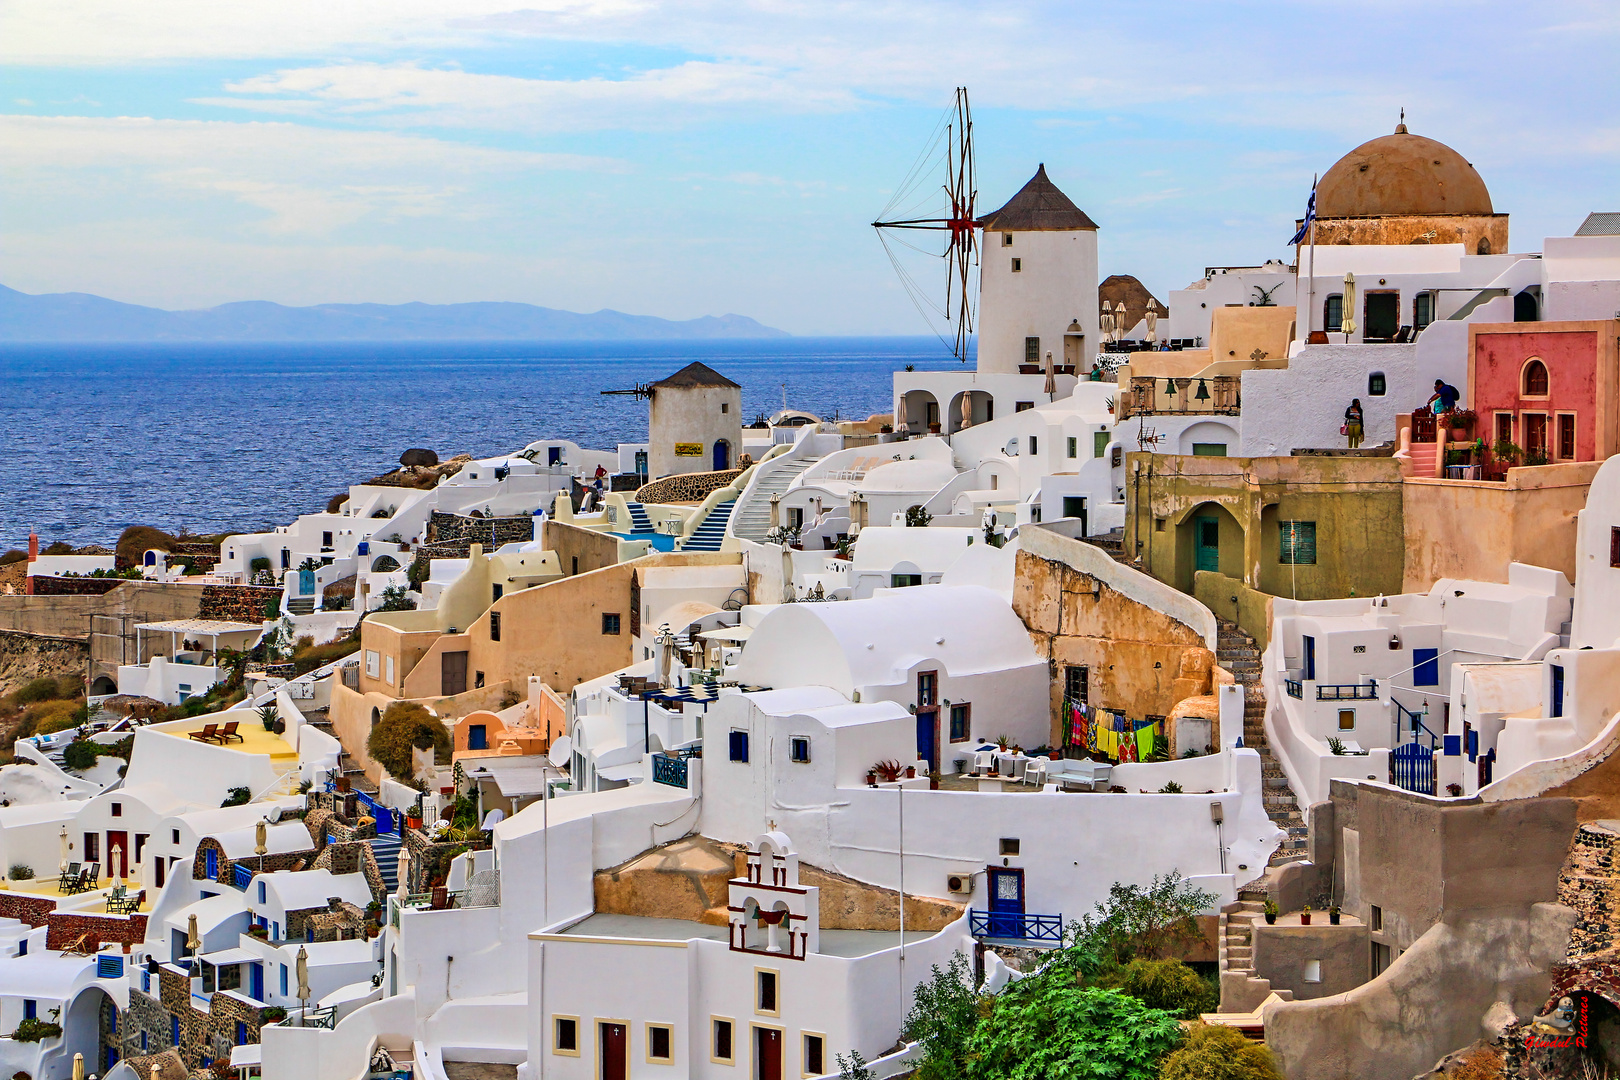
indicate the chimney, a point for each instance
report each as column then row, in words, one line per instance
column 33, row 546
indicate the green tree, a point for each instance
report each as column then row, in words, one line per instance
column 1169, row 985
column 404, row 726
column 943, row 1015
column 1219, row 1053
column 1150, row 922
column 918, row 517
column 1045, row 1027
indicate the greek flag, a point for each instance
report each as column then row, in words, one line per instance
column 1310, row 216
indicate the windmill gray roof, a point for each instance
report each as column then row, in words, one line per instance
column 1600, row 223
column 694, row 375
column 1038, row 207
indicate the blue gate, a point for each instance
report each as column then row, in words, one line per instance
column 1413, row 765
column 382, row 815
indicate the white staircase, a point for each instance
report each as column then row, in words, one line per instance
column 752, row 519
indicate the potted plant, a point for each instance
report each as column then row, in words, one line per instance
column 1305, row 915
column 871, row 778
column 911, row 772
column 888, row 770
column 267, row 717
column 1333, row 914
column 1454, row 790
column 1002, row 741
column 1462, row 424
column 933, row 429
column 1271, row 910
column 275, row 1014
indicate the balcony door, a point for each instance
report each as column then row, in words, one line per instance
column 1006, row 902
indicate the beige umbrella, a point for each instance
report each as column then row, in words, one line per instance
column 1050, row 388
column 78, row 1067
column 303, row 982
column 260, row 831
column 1153, row 322
column 1347, row 306
column 116, row 868
column 967, row 410
column 1107, row 323
column 404, row 871
column 64, row 841
column 1121, row 326
column 193, row 938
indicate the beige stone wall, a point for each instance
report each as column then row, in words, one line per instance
column 592, row 550
column 1139, row 659
column 1473, row 529
column 1236, row 332
column 692, row 415
column 1463, row 229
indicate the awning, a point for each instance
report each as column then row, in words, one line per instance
column 701, row 693
column 201, row 627
column 227, row 957
column 247, row 1054
column 728, row 633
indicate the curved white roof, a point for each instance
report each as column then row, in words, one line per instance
column 854, row 643
column 278, row 840
column 882, row 547
column 920, row 475
column 302, row 890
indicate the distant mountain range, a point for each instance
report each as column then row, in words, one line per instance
column 83, row 317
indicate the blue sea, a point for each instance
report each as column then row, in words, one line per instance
column 239, row 437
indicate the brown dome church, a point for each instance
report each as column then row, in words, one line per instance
column 1407, row 189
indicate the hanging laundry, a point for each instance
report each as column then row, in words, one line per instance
column 1144, row 742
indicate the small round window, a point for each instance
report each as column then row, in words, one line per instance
column 1376, row 386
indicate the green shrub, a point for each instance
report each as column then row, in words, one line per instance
column 1219, row 1053
column 79, row 755
column 403, row 727
column 13, row 556
column 259, row 563
column 1046, row 1026
column 20, row 872
column 44, row 688
column 1169, row 985
column 61, row 547
column 917, row 517
column 137, row 540
column 238, row 796
column 311, row 657
column 33, row 1030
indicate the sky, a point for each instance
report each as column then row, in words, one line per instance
column 704, row 158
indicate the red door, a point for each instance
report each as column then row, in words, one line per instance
column 119, row 840
column 615, row 1043
column 768, row 1053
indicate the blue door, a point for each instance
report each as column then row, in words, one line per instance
column 1425, row 667
column 1310, row 659
column 1557, row 704
column 928, row 737
column 306, row 583
column 1006, row 902
column 112, row 1058
column 722, row 455
column 256, row 981
column 477, row 737
column 211, row 864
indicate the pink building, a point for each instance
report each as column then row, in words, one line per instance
column 1550, row 388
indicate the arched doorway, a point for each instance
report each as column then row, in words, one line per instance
column 981, row 409
column 722, row 455
column 918, row 411
column 103, row 686
column 1208, row 538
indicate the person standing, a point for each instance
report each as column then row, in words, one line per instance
column 1445, row 397
column 1352, row 423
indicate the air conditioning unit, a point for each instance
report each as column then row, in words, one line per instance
column 960, row 883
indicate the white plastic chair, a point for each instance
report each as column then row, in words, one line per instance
column 1035, row 773
column 983, row 762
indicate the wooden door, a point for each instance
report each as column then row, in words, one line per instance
column 1208, row 537
column 1535, row 433
column 768, row 1053
column 452, row 673
column 615, row 1043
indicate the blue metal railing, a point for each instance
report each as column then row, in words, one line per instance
column 1347, row 692
column 1016, row 926
column 1294, row 688
column 240, row 875
column 669, row 770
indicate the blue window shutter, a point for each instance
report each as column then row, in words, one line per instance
column 109, row 967
column 1426, row 667
column 739, row 746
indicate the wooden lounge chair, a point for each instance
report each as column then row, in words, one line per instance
column 228, row 733
column 207, row 734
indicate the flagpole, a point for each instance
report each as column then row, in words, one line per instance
column 1310, row 295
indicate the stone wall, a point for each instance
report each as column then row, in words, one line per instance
column 686, row 487
column 236, row 603
column 205, row 1035
column 72, row 586
column 338, row 921
column 87, row 933
column 268, row 864
column 352, row 857
column 33, row 910
column 492, row 532
column 144, row 1013
column 429, row 861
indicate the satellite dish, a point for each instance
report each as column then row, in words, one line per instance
column 561, row 751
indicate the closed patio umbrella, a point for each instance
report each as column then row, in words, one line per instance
column 116, row 858
column 303, row 982
column 404, row 871
column 1051, row 378
column 64, row 842
column 967, row 409
column 1121, row 325
column 78, row 1067
column 1107, row 323
column 1153, row 322
column 193, row 938
column 1348, row 305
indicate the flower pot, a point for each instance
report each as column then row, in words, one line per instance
column 1271, row 917
column 871, row 779
column 1333, row 917
column 1459, row 434
column 1304, row 918
column 413, row 822
column 1055, row 755
column 911, row 772
column 933, row 429
column 343, row 783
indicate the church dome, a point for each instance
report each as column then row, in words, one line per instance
column 1401, row 175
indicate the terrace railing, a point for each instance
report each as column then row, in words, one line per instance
column 1295, row 688
column 1217, row 396
column 1347, row 692
column 669, row 770
column 1017, row 926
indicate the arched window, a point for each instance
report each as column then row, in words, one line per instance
column 1484, row 247
column 1535, row 379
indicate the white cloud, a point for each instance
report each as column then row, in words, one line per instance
column 305, row 179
